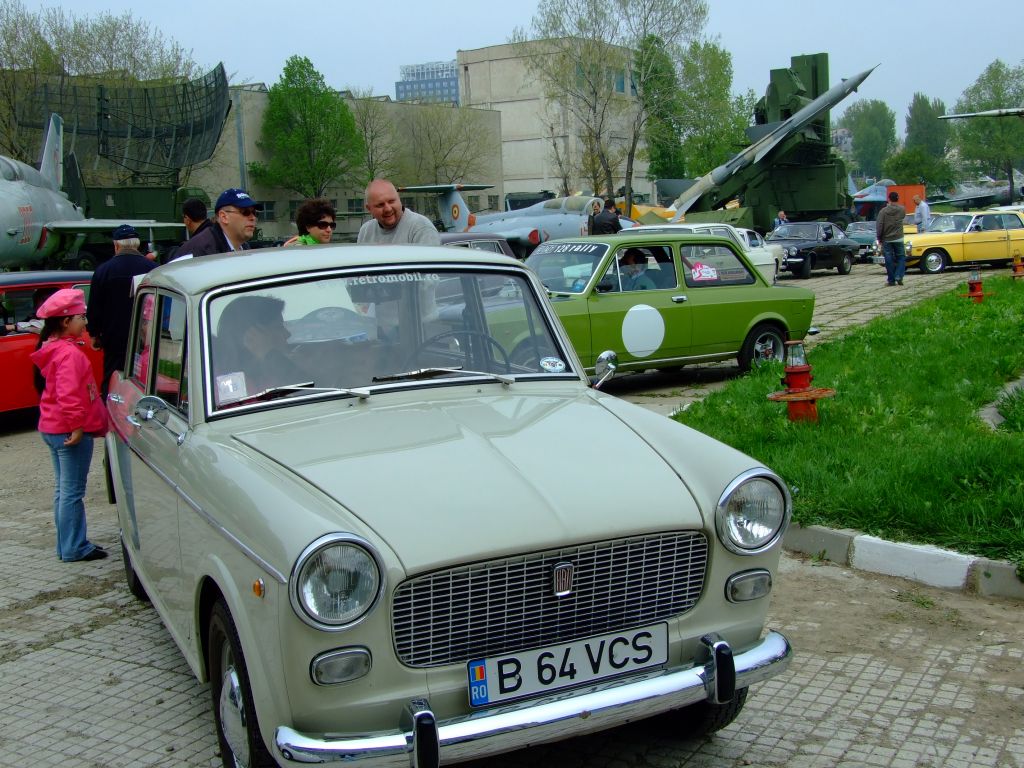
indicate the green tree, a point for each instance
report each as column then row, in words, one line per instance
column 45, row 47
column 308, row 134
column 873, row 127
column 914, row 165
column 712, row 120
column 924, row 129
column 664, row 139
column 994, row 145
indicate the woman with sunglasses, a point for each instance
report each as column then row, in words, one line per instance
column 315, row 219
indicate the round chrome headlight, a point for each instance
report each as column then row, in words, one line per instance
column 336, row 580
column 753, row 512
column 791, row 251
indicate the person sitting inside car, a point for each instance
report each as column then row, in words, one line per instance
column 252, row 340
column 633, row 269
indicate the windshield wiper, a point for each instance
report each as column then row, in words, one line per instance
column 431, row 373
column 272, row 393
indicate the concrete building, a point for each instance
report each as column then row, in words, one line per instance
column 435, row 81
column 497, row 78
column 237, row 148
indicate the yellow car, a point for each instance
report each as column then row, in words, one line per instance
column 967, row 238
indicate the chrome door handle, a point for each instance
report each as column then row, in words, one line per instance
column 115, row 398
column 678, row 299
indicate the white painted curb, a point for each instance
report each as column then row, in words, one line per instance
column 922, row 563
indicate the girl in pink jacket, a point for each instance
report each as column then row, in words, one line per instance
column 71, row 414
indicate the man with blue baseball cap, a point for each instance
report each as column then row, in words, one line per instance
column 232, row 229
column 110, row 299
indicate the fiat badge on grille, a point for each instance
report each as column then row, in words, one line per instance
column 561, row 579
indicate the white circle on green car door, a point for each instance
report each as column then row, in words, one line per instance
column 643, row 330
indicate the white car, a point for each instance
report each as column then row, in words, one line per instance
column 762, row 255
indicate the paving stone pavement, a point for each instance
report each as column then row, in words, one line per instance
column 885, row 674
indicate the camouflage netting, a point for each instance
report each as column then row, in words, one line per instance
column 146, row 130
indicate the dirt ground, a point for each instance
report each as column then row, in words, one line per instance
column 885, row 672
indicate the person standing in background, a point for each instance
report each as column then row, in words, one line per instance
column 110, row 299
column 316, row 221
column 889, row 229
column 391, row 223
column 922, row 213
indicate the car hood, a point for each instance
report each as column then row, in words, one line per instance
column 466, row 479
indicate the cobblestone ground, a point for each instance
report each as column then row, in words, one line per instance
column 886, row 673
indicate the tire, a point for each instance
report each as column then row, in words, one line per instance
column 764, row 342
column 233, row 709
column 131, row 577
column 934, row 261
column 705, row 718
column 805, row 268
column 845, row 264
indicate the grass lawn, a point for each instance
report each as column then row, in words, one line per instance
column 900, row 452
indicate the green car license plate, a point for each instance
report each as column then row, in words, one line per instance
column 528, row 673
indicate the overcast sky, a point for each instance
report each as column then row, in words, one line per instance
column 938, row 48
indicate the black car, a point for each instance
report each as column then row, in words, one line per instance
column 809, row 245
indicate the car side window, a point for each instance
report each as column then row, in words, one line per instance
column 142, row 343
column 170, row 379
column 991, row 222
column 1011, row 221
column 711, row 265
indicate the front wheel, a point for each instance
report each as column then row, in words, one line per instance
column 845, row 264
column 130, row 576
column 765, row 342
column 233, row 708
column 933, row 262
column 805, row 268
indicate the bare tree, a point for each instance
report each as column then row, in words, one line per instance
column 447, row 144
column 383, row 149
column 561, row 153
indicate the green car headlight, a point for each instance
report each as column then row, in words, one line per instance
column 335, row 582
column 753, row 512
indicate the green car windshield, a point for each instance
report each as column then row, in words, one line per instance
column 566, row 267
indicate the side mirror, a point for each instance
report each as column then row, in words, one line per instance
column 605, row 367
column 606, row 285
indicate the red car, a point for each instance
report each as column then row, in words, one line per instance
column 20, row 294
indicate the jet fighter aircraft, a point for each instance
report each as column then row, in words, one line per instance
column 524, row 228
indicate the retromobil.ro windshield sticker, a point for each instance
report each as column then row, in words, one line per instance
column 703, row 272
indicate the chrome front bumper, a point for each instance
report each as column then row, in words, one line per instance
column 423, row 742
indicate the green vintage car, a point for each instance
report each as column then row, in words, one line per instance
column 384, row 534
column 697, row 300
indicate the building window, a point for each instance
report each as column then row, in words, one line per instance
column 267, row 214
column 492, row 202
column 293, row 207
column 474, row 202
column 354, row 205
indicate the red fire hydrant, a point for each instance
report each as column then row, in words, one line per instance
column 974, row 290
column 800, row 397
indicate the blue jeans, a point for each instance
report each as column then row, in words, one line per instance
column 895, row 261
column 71, row 468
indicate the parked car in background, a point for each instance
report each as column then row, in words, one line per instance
column 864, row 234
column 810, row 245
column 482, row 242
column 21, row 293
column 700, row 300
column 767, row 259
column 373, row 525
column 977, row 237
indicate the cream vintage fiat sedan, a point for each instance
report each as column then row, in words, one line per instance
column 379, row 506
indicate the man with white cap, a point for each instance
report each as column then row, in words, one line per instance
column 233, row 226
column 110, row 299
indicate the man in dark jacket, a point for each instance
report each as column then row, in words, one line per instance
column 232, row 229
column 607, row 222
column 889, row 229
column 110, row 299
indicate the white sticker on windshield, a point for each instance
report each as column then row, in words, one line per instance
column 552, row 364
column 703, row 272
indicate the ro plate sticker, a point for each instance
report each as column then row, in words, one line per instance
column 703, row 272
column 552, row 364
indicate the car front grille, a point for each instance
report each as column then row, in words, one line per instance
column 495, row 607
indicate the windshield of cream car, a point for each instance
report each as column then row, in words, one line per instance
column 359, row 331
column 566, row 267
